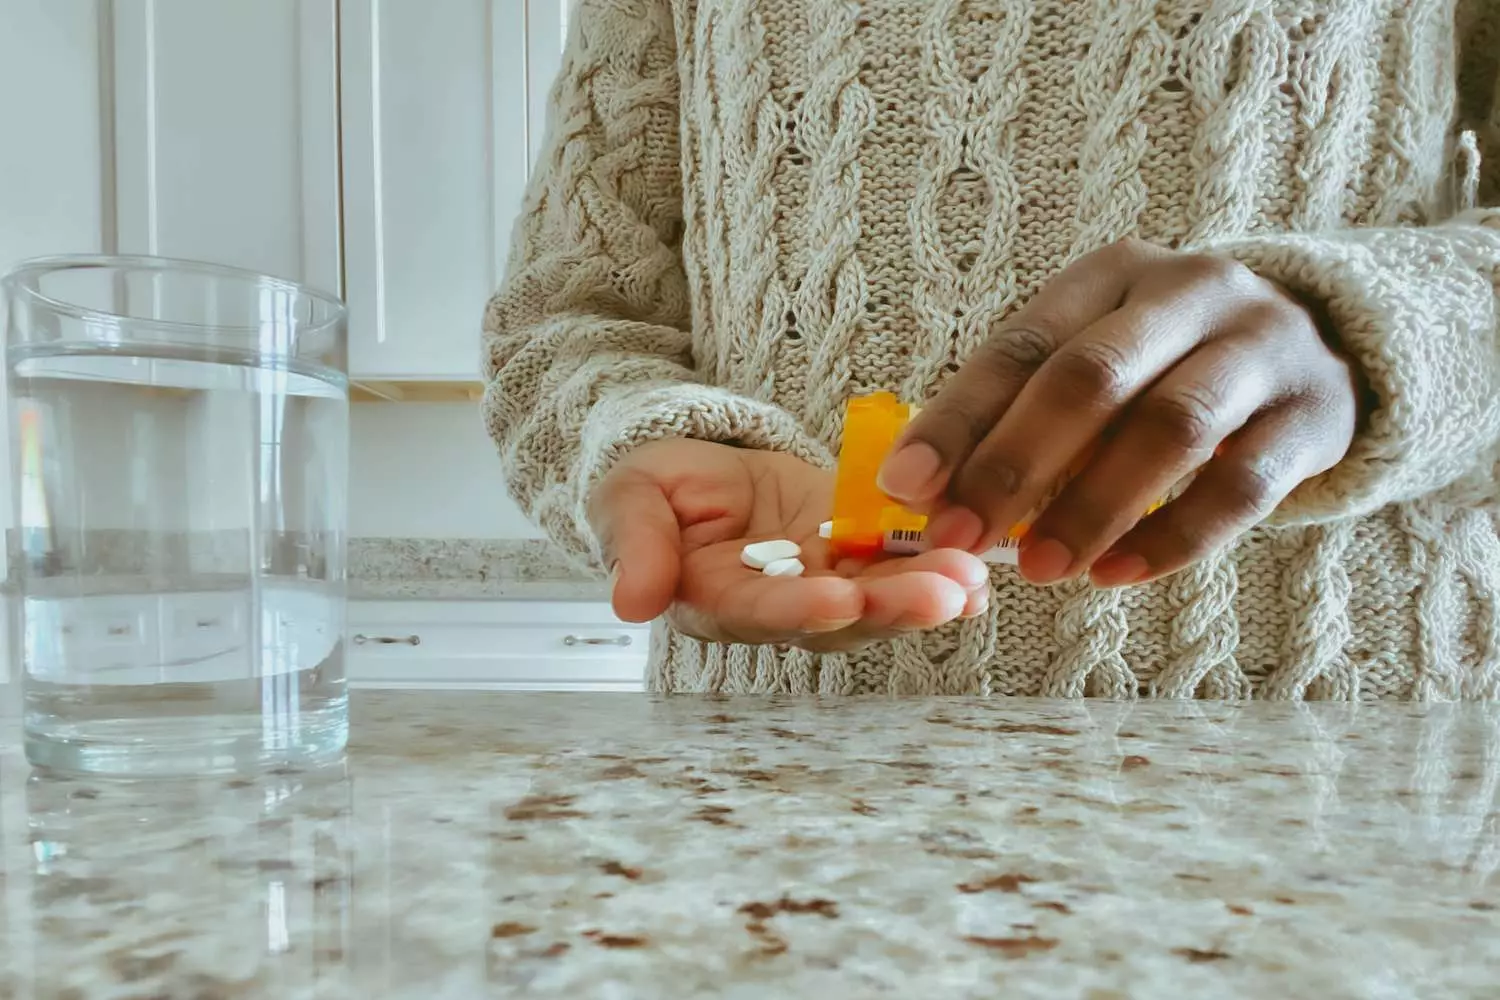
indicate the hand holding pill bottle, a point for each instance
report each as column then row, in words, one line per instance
column 866, row 523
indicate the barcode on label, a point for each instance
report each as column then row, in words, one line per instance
column 1007, row 553
column 905, row 542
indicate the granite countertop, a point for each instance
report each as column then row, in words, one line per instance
column 379, row 568
column 416, row 588
column 395, row 569
column 623, row 847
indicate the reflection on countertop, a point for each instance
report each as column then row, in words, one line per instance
column 616, row 846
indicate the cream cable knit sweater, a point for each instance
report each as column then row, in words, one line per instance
column 751, row 209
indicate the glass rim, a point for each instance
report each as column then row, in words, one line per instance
column 21, row 279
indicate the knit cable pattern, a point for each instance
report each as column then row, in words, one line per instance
column 749, row 210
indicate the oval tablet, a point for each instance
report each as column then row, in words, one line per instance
column 785, row 567
column 759, row 555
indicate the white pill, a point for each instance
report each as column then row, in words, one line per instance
column 759, row 555
column 825, row 530
column 785, row 567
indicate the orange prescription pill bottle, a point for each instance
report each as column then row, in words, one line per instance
column 868, row 523
column 864, row 518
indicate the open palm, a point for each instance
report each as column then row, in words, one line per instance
column 674, row 515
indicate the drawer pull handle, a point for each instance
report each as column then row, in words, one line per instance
column 574, row 640
column 388, row 640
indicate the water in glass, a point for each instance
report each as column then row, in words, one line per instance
column 180, row 447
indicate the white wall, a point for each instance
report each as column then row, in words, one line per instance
column 427, row 470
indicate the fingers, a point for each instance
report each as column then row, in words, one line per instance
column 917, row 594
column 641, row 541
column 953, row 424
column 722, row 601
column 903, row 602
column 1064, row 409
column 1179, row 305
column 1027, row 408
column 910, row 601
column 1252, row 474
column 824, row 612
column 968, row 571
column 1168, row 433
column 907, row 578
column 1015, row 422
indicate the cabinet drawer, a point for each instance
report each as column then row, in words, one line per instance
column 522, row 645
column 562, row 641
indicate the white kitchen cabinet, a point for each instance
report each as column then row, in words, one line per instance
column 443, row 108
column 373, row 148
column 173, row 127
column 185, row 128
column 52, row 164
column 497, row 645
column 192, row 637
column 224, row 136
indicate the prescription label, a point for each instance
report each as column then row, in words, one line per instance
column 906, row 542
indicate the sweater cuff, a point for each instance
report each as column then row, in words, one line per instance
column 1416, row 310
column 627, row 417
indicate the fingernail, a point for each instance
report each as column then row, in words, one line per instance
column 953, row 604
column 908, row 474
column 955, row 528
column 829, row 624
column 982, row 606
column 1119, row 569
column 1045, row 560
column 614, row 575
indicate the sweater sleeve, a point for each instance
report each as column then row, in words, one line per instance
column 588, row 344
column 1418, row 309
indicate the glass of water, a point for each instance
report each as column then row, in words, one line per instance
column 179, row 455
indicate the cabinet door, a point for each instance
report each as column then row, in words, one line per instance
column 186, row 128
column 52, row 164
column 223, row 144
column 443, row 108
column 51, row 160
column 173, row 127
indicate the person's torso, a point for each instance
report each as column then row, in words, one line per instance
column 870, row 186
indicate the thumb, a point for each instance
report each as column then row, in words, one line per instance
column 641, row 541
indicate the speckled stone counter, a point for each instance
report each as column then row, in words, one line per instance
column 621, row 847
column 394, row 569
column 424, row 589
column 380, row 568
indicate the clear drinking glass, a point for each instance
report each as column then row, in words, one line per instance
column 179, row 448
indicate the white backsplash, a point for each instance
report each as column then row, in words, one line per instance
column 427, row 470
